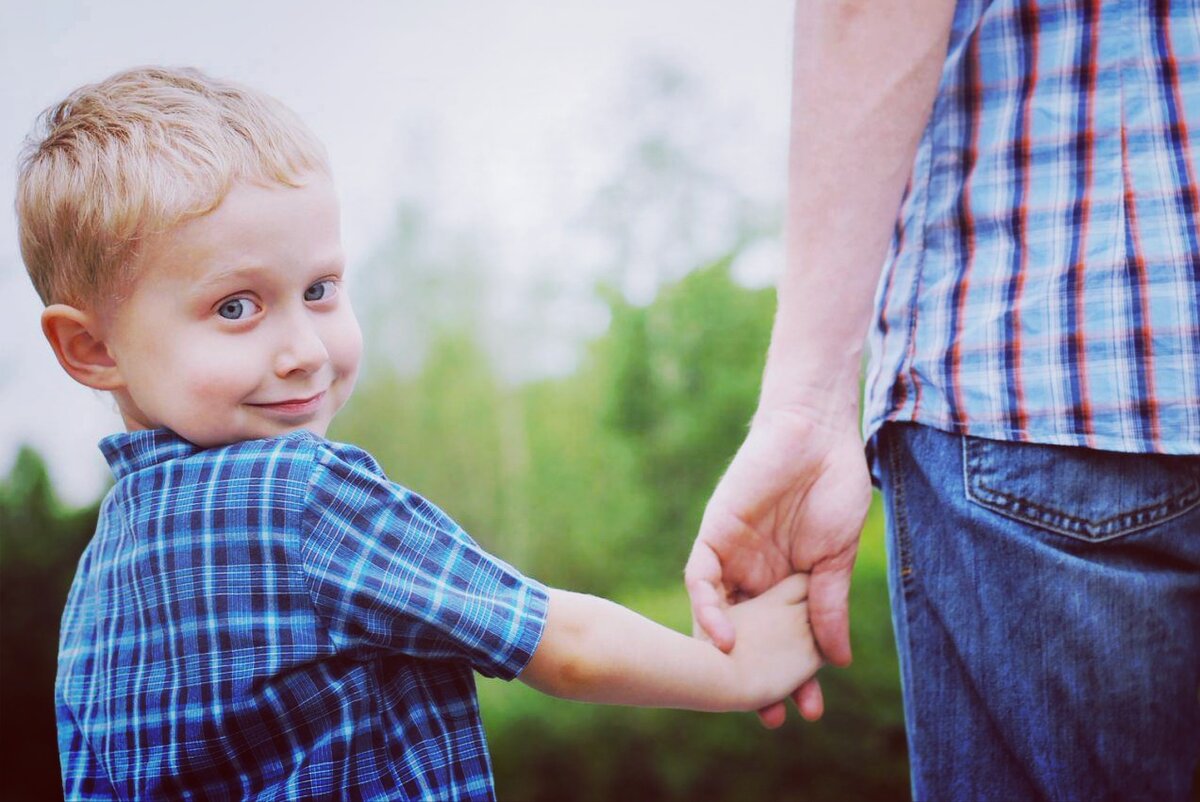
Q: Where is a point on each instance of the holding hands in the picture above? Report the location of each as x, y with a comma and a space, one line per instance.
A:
793, 500
775, 650
594, 650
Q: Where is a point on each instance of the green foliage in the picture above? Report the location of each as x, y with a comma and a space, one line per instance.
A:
618, 458
684, 379
40, 542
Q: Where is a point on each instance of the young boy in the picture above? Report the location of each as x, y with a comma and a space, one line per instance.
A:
262, 613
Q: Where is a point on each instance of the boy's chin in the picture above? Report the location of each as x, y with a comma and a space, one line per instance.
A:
215, 439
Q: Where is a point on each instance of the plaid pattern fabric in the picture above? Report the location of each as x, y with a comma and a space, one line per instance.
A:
1044, 278
276, 620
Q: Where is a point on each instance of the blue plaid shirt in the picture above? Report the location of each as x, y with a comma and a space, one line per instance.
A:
276, 620
1044, 277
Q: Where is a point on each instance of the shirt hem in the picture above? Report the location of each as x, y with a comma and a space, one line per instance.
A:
1097, 441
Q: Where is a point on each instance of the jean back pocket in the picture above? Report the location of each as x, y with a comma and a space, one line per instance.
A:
1082, 493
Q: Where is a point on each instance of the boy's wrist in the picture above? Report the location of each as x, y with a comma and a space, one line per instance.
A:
721, 683
744, 684
736, 684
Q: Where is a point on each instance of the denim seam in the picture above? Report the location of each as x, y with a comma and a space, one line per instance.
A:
899, 505
1022, 509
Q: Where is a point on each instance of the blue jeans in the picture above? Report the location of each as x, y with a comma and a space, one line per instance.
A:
1046, 603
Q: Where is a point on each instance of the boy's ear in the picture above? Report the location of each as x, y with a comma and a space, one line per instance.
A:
73, 334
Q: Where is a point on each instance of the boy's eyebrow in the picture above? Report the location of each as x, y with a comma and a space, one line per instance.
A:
241, 272
223, 276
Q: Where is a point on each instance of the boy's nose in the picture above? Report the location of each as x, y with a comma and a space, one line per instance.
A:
302, 351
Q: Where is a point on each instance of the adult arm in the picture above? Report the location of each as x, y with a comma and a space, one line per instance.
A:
865, 74
594, 650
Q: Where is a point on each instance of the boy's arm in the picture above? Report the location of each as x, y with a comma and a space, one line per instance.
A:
594, 650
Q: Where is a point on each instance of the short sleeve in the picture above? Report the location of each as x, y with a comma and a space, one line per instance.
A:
391, 573
83, 776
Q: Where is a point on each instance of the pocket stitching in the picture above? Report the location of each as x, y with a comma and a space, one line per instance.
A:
1125, 523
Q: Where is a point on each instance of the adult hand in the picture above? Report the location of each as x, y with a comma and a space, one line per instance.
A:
794, 499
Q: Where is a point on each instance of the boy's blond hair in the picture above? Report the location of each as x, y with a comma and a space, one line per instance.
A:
134, 155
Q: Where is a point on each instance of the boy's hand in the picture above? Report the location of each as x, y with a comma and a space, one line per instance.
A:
793, 500
774, 652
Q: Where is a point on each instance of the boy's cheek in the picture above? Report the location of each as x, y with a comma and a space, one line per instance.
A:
349, 348
212, 377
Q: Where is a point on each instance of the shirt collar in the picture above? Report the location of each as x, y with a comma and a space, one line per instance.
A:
129, 452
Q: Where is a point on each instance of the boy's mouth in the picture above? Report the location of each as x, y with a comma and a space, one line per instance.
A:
294, 406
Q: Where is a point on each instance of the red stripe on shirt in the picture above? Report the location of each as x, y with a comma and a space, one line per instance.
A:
1021, 416
968, 234
1078, 340
1143, 334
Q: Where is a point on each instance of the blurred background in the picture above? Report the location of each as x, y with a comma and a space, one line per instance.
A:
563, 222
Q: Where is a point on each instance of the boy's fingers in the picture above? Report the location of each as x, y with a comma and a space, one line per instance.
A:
792, 590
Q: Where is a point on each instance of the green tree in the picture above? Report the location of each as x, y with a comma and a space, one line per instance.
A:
40, 544
683, 382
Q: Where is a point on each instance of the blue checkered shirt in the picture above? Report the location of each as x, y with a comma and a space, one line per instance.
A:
276, 620
1044, 277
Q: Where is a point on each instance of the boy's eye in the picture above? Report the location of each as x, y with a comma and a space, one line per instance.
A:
318, 291
236, 308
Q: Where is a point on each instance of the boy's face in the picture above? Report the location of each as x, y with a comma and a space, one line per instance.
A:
238, 325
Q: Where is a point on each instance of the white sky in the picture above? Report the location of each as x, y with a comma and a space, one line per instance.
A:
480, 110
